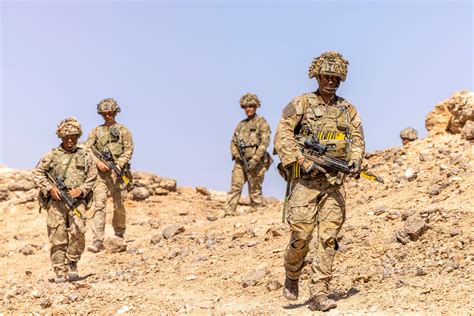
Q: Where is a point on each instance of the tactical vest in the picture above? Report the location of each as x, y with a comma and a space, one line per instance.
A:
110, 138
71, 166
328, 123
249, 133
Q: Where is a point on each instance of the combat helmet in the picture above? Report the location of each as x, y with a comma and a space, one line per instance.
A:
329, 63
108, 105
249, 99
69, 126
409, 134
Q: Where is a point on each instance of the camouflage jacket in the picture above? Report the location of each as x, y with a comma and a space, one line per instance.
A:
255, 135
77, 168
117, 138
338, 126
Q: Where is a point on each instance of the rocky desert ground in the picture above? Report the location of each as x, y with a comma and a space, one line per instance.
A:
407, 246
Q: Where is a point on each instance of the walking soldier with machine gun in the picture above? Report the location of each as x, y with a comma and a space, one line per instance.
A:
65, 177
249, 151
319, 141
112, 144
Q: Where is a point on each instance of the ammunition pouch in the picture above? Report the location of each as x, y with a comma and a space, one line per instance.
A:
267, 160
43, 201
294, 169
283, 172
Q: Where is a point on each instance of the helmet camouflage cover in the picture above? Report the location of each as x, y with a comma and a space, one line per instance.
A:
329, 63
108, 105
69, 126
249, 99
409, 133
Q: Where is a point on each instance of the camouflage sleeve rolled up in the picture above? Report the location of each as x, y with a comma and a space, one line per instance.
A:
285, 142
356, 132
91, 176
128, 147
234, 151
264, 139
39, 173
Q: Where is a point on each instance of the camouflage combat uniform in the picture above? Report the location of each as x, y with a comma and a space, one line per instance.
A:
118, 139
254, 133
317, 199
65, 230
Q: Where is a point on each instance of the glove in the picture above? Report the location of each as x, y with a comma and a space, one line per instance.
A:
252, 164
310, 166
354, 167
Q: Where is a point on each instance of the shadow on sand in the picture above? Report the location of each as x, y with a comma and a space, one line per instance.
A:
337, 296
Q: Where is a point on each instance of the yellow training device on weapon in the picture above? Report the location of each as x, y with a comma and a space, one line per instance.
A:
370, 176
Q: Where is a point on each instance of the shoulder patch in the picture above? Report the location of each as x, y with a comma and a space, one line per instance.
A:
289, 110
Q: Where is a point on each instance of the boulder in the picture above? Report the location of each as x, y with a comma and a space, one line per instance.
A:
452, 115
168, 184
172, 230
140, 193
21, 185
115, 244
254, 277
415, 226
203, 191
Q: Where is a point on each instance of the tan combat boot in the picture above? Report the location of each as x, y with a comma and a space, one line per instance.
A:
72, 271
290, 289
96, 246
321, 303
59, 278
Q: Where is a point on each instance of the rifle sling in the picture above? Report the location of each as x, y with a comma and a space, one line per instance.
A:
67, 166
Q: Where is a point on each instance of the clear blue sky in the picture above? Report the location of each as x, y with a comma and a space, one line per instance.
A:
178, 70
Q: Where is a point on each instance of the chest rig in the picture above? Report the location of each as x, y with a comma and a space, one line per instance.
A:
328, 123
249, 133
110, 138
70, 166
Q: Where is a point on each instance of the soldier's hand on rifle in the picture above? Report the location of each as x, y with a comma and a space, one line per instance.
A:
75, 193
354, 166
102, 166
252, 164
55, 194
309, 166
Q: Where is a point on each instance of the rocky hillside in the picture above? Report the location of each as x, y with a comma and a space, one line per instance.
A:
407, 245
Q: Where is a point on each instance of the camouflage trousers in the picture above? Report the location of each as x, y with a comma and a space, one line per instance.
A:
314, 206
238, 180
108, 183
66, 235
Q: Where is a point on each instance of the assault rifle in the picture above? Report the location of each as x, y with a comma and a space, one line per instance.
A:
241, 147
315, 152
106, 157
69, 201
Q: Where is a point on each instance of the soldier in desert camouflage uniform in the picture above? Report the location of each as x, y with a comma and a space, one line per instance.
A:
254, 134
408, 135
75, 164
116, 138
317, 199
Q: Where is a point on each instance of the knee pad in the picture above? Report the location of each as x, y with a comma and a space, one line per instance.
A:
298, 244
331, 243
299, 240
